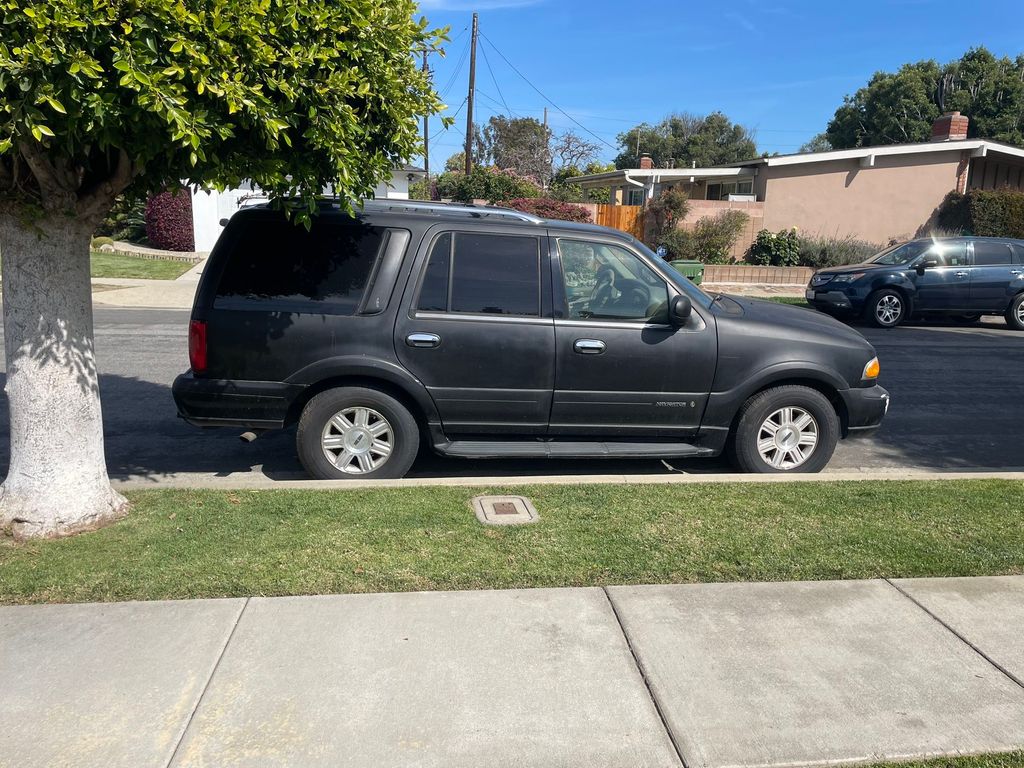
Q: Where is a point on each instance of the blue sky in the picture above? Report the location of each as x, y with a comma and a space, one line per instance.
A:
780, 68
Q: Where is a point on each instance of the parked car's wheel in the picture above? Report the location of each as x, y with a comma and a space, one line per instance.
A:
1015, 313
785, 429
965, 319
356, 433
886, 308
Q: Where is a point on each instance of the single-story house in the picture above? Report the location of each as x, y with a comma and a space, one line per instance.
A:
209, 208
872, 193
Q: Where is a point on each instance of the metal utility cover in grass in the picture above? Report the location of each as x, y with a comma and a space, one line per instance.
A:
504, 510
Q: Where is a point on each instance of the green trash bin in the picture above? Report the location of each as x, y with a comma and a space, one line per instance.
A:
689, 268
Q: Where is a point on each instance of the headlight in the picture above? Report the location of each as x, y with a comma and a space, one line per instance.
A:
871, 369
848, 278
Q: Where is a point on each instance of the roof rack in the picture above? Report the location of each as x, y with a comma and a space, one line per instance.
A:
427, 206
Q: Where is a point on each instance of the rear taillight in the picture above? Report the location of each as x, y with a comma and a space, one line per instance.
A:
197, 346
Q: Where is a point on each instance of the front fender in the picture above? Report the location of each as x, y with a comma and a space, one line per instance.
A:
722, 406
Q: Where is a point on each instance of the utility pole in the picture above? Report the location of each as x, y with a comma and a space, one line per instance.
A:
426, 129
545, 117
469, 98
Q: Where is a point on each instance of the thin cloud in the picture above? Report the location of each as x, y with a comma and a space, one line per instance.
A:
743, 21
474, 5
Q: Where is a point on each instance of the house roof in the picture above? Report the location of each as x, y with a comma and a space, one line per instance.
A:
745, 168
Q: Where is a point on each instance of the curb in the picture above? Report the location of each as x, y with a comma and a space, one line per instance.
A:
261, 482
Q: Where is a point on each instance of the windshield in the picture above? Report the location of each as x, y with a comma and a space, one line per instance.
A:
686, 285
901, 254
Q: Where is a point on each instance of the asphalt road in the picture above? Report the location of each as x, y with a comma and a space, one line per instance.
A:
957, 403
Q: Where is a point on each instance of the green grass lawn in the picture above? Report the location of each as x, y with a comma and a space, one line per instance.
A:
121, 265
1008, 760
796, 301
182, 544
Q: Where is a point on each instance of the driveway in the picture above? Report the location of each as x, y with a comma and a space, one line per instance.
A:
958, 403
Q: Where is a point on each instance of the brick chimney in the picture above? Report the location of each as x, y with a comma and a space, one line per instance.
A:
951, 126
646, 162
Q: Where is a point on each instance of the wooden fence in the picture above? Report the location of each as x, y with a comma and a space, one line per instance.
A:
627, 218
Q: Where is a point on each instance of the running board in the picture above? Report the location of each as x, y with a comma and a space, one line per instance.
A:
554, 449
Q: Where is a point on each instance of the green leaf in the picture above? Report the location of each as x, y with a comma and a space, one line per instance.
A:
30, 12
55, 104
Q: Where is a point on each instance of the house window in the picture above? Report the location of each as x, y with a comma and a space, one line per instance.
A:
721, 191
635, 196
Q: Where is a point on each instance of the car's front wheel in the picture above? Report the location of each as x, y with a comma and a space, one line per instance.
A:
886, 308
356, 433
1015, 313
785, 429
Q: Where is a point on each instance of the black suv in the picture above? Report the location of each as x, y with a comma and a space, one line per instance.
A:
961, 278
490, 333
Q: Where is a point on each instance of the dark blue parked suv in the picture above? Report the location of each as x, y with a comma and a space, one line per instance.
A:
959, 277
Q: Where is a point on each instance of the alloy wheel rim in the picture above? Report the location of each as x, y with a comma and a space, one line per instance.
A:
888, 309
1020, 312
787, 438
357, 440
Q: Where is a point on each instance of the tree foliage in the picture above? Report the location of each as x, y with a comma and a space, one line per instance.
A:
819, 143
547, 208
683, 139
98, 93
485, 183
520, 144
897, 107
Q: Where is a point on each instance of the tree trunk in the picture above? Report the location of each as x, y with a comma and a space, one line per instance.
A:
57, 483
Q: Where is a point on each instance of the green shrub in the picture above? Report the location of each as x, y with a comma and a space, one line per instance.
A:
547, 208
775, 249
668, 210
818, 252
679, 244
983, 212
485, 183
421, 190
99, 242
126, 220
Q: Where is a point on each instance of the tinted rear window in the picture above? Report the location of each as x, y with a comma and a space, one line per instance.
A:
322, 269
991, 253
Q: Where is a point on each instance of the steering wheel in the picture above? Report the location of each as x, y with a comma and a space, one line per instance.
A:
634, 296
603, 289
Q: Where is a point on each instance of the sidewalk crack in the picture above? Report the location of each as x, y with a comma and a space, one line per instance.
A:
956, 634
646, 681
206, 686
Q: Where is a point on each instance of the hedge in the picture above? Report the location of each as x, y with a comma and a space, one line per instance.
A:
547, 208
984, 213
169, 221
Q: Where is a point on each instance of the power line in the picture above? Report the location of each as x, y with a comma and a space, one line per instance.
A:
541, 93
487, 61
457, 72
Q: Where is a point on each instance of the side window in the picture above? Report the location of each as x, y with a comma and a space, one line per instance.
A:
991, 254
1018, 254
949, 254
482, 274
607, 282
324, 268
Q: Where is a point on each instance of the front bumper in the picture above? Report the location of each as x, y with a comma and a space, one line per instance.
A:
865, 409
833, 302
226, 403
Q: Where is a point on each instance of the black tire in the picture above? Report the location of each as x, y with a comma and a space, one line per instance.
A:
965, 318
1015, 313
743, 444
402, 436
893, 300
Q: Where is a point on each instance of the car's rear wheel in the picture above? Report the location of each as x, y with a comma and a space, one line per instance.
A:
1015, 313
356, 433
886, 308
785, 429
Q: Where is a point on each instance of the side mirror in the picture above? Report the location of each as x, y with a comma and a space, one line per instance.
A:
679, 310
925, 263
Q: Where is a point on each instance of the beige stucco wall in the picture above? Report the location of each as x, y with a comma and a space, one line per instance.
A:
894, 199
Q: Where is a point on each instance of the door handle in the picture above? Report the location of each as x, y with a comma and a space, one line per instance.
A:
961, 274
423, 340
589, 346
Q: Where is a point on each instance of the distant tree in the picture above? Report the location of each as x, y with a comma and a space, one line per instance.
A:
456, 162
819, 143
901, 106
485, 183
563, 188
572, 151
683, 139
520, 144
99, 98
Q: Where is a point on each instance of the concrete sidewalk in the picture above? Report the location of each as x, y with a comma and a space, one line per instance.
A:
781, 674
